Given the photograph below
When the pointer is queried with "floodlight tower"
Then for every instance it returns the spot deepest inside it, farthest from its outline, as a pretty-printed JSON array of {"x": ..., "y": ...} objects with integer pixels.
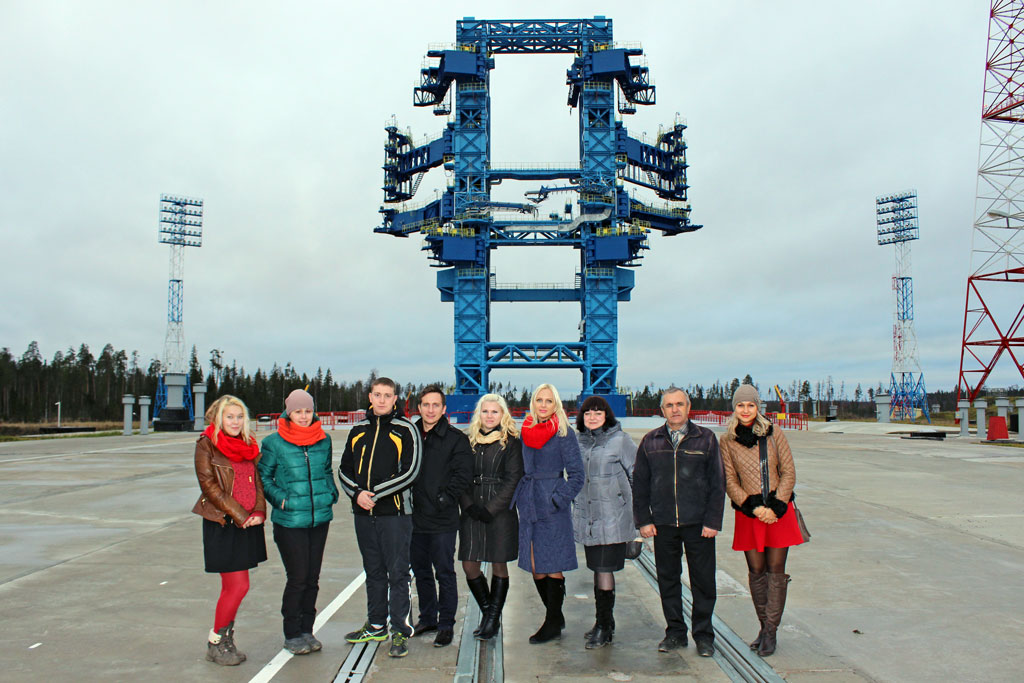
[
  {"x": 181, "y": 225},
  {"x": 897, "y": 224},
  {"x": 993, "y": 312},
  {"x": 607, "y": 225}
]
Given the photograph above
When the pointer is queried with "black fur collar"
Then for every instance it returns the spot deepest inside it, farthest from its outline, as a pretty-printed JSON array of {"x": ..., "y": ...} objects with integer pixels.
[{"x": 745, "y": 435}]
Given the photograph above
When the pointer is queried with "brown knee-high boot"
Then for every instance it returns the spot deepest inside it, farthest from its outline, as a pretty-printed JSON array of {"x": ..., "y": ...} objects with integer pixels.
[
  {"x": 777, "y": 587},
  {"x": 759, "y": 595}
]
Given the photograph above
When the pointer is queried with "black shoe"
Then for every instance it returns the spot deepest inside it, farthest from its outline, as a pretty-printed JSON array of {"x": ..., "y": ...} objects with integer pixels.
[
  {"x": 420, "y": 628},
  {"x": 443, "y": 637},
  {"x": 705, "y": 648},
  {"x": 672, "y": 643}
]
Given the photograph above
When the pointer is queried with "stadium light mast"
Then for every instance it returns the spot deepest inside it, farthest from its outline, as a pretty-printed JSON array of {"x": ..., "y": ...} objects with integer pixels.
[
  {"x": 181, "y": 225},
  {"x": 897, "y": 224}
]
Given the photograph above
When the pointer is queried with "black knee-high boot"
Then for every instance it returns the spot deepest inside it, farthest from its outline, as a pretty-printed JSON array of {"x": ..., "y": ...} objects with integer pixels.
[
  {"x": 603, "y": 631},
  {"x": 478, "y": 588},
  {"x": 492, "y": 618},
  {"x": 553, "y": 619}
]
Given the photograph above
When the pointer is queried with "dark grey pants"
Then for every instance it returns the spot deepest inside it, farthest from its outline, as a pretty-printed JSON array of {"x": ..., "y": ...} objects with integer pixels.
[{"x": 384, "y": 544}]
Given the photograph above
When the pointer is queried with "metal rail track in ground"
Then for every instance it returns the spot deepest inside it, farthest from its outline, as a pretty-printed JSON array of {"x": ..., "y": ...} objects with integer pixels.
[
  {"x": 732, "y": 654},
  {"x": 355, "y": 666}
]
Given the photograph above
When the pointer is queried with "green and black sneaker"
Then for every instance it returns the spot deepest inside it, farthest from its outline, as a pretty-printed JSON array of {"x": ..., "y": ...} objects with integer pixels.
[
  {"x": 398, "y": 646},
  {"x": 367, "y": 633}
]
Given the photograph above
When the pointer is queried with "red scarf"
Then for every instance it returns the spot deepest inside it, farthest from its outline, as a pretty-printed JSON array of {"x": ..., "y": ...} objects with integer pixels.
[
  {"x": 300, "y": 436},
  {"x": 536, "y": 435},
  {"x": 233, "y": 447}
]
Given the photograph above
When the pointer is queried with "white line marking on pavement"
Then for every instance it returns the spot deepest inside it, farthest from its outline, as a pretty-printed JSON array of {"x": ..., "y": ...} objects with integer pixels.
[
  {"x": 103, "y": 450},
  {"x": 32, "y": 647},
  {"x": 282, "y": 657}
]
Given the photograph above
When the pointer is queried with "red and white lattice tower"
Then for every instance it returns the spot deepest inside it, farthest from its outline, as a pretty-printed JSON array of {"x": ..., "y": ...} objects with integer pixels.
[{"x": 994, "y": 310}]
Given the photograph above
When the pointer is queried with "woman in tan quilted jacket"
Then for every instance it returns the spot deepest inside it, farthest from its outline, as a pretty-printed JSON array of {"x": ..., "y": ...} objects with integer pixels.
[{"x": 762, "y": 495}]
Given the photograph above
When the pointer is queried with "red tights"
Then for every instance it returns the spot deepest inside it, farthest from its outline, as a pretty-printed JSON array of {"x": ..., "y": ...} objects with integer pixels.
[{"x": 233, "y": 587}]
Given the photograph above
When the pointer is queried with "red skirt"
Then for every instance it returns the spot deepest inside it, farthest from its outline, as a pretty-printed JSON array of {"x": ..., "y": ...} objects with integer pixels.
[{"x": 751, "y": 533}]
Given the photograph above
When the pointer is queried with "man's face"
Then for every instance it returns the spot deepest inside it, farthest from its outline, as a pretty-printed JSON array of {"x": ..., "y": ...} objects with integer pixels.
[
  {"x": 382, "y": 399},
  {"x": 431, "y": 410},
  {"x": 675, "y": 408}
]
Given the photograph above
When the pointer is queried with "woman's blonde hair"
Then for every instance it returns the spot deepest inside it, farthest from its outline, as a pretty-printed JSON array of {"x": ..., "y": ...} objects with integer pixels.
[
  {"x": 215, "y": 416},
  {"x": 759, "y": 427},
  {"x": 507, "y": 425},
  {"x": 563, "y": 419}
]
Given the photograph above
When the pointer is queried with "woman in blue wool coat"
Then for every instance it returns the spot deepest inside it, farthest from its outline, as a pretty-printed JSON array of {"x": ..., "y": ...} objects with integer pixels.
[
  {"x": 298, "y": 482},
  {"x": 544, "y": 502}
]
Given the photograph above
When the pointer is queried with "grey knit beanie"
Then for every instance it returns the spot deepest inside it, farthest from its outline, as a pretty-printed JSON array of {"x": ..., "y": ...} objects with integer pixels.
[
  {"x": 297, "y": 399},
  {"x": 746, "y": 392}
]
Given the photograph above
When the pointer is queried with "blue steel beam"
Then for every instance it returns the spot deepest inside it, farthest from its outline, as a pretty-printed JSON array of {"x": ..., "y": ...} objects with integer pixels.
[{"x": 609, "y": 229}]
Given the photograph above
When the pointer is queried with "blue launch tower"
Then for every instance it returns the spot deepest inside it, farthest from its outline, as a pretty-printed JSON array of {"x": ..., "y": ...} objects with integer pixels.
[{"x": 607, "y": 225}]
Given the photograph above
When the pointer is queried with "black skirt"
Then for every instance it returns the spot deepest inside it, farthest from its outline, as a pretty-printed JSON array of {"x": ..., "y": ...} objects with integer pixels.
[
  {"x": 605, "y": 558},
  {"x": 231, "y": 549}
]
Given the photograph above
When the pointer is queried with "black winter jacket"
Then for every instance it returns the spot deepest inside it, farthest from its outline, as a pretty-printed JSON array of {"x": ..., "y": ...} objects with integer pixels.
[
  {"x": 677, "y": 486},
  {"x": 445, "y": 472},
  {"x": 382, "y": 456}
]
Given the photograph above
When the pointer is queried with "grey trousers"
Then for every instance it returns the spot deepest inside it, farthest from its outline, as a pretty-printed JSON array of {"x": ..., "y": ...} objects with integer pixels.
[{"x": 384, "y": 544}]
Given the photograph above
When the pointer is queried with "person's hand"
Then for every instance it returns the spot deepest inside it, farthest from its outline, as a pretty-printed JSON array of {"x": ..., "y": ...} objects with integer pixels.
[
  {"x": 760, "y": 511},
  {"x": 648, "y": 531},
  {"x": 365, "y": 500},
  {"x": 253, "y": 520},
  {"x": 708, "y": 533},
  {"x": 769, "y": 516}
]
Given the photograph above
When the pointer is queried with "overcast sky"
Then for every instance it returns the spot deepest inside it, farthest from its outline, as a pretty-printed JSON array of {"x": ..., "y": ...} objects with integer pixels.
[{"x": 799, "y": 114}]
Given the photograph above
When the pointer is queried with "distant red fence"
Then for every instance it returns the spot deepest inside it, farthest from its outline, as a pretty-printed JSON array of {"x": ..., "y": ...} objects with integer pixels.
[
  {"x": 706, "y": 417},
  {"x": 333, "y": 420}
]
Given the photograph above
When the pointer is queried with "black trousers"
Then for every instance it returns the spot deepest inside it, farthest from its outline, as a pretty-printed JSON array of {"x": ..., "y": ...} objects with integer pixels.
[
  {"x": 302, "y": 552},
  {"x": 384, "y": 544},
  {"x": 669, "y": 544},
  {"x": 434, "y": 555}
]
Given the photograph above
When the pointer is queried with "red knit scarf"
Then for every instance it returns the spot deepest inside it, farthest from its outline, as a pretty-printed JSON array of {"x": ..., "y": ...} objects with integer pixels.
[
  {"x": 536, "y": 435},
  {"x": 233, "y": 447},
  {"x": 298, "y": 435}
]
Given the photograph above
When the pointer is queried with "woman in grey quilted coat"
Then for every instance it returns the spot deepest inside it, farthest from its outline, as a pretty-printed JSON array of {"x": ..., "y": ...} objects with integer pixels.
[{"x": 603, "y": 510}]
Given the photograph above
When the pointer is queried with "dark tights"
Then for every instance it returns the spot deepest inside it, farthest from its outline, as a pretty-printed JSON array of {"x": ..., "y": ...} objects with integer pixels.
[{"x": 772, "y": 559}]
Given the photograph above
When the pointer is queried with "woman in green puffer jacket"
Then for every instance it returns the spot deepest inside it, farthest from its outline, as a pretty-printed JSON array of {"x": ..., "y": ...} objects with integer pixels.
[{"x": 298, "y": 483}]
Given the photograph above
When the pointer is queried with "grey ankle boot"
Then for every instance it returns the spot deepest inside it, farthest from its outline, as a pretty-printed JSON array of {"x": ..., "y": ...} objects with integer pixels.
[{"x": 220, "y": 648}]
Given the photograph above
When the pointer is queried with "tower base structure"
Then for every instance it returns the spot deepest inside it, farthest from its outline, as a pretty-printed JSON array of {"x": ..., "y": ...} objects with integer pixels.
[{"x": 173, "y": 404}]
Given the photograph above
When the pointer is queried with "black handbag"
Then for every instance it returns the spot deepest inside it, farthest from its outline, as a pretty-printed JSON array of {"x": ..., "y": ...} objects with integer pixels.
[
  {"x": 634, "y": 548},
  {"x": 762, "y": 443}
]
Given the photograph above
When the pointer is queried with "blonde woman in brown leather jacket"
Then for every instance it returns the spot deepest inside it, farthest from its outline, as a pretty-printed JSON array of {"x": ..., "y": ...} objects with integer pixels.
[
  {"x": 766, "y": 524},
  {"x": 233, "y": 511}
]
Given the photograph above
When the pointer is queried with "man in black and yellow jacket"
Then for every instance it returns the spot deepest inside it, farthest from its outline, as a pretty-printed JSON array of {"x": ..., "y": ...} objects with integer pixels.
[{"x": 378, "y": 468}]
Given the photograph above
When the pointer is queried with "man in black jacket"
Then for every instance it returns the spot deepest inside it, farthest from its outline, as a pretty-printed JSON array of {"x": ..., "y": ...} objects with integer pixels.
[
  {"x": 380, "y": 463},
  {"x": 445, "y": 473},
  {"x": 679, "y": 499}
]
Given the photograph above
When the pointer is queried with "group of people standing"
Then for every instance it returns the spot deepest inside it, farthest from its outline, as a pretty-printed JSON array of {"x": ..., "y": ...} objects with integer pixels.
[{"x": 502, "y": 493}]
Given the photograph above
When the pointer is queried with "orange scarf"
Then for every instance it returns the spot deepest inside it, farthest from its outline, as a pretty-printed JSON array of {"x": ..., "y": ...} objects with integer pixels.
[{"x": 300, "y": 436}]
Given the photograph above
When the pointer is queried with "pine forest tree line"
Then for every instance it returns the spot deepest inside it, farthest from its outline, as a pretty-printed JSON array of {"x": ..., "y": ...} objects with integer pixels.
[{"x": 90, "y": 387}]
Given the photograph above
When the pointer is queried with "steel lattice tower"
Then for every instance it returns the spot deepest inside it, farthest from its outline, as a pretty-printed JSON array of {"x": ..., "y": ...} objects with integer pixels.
[
  {"x": 993, "y": 312},
  {"x": 606, "y": 225},
  {"x": 181, "y": 225},
  {"x": 897, "y": 225}
]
